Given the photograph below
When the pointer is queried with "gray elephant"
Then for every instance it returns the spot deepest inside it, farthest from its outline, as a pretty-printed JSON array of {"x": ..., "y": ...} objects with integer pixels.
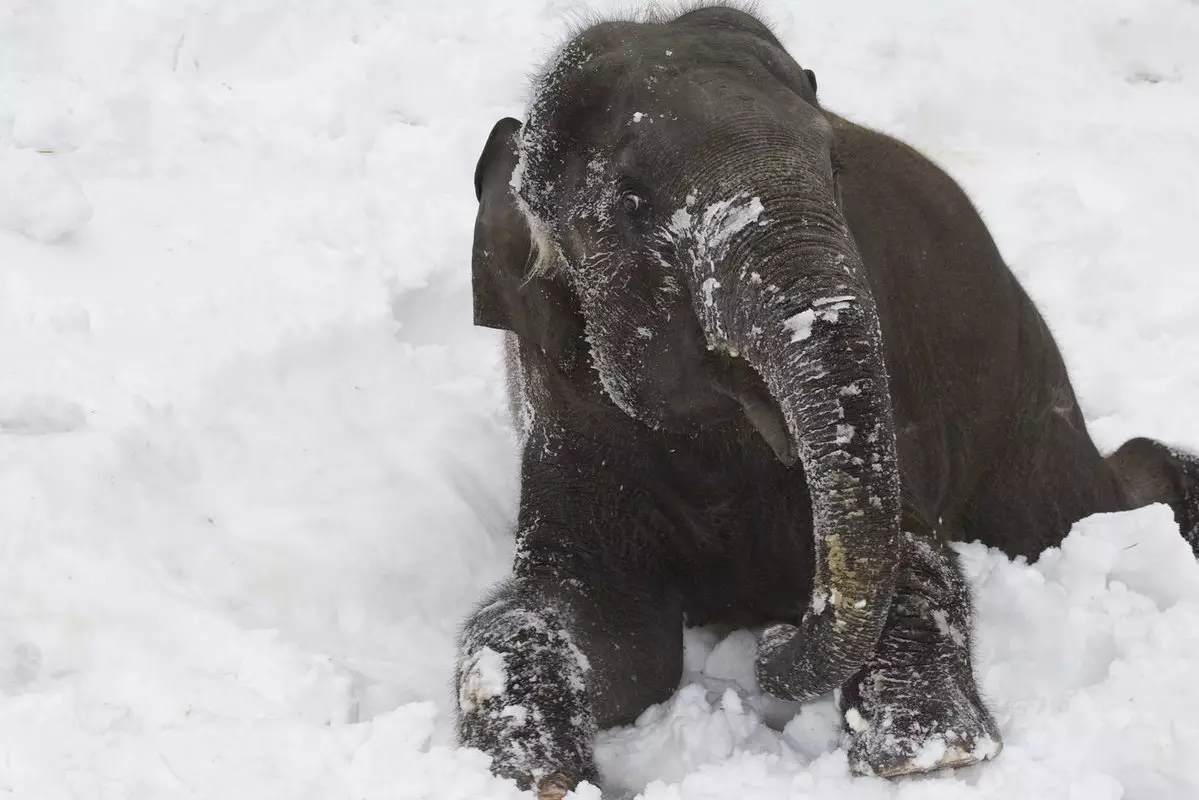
[{"x": 767, "y": 364}]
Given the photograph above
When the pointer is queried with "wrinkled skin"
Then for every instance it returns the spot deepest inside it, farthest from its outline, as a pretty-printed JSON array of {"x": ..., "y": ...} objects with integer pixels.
[{"x": 767, "y": 363}]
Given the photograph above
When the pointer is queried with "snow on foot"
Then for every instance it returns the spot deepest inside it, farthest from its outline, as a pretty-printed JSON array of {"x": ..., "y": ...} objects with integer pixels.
[
  {"x": 912, "y": 739},
  {"x": 936, "y": 753}
]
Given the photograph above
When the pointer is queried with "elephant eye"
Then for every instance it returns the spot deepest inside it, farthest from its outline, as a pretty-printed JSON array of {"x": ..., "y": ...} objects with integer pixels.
[{"x": 632, "y": 202}]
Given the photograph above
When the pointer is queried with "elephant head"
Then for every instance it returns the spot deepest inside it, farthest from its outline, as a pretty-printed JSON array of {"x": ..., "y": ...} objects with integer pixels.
[{"x": 671, "y": 204}]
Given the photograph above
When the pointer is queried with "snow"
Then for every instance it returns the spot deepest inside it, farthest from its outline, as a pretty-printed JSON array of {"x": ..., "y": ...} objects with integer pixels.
[
  {"x": 485, "y": 676},
  {"x": 825, "y": 309},
  {"x": 257, "y": 466},
  {"x": 800, "y": 325},
  {"x": 680, "y": 221},
  {"x": 43, "y": 201},
  {"x": 931, "y": 753},
  {"x": 844, "y": 434},
  {"x": 705, "y": 242},
  {"x": 719, "y": 222}
]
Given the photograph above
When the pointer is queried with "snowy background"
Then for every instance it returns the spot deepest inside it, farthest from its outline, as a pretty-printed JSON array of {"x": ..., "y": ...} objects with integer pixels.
[{"x": 254, "y": 460}]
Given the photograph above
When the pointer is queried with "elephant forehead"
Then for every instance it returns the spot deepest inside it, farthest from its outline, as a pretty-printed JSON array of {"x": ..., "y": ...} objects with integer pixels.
[
  {"x": 680, "y": 119},
  {"x": 612, "y": 69}
]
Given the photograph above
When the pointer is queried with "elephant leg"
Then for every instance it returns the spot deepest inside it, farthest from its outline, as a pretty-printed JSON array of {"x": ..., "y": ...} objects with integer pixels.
[
  {"x": 915, "y": 706},
  {"x": 1152, "y": 472},
  {"x": 544, "y": 663}
]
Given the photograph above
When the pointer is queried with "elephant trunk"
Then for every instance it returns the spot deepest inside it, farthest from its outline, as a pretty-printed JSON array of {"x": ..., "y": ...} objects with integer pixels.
[{"x": 792, "y": 299}]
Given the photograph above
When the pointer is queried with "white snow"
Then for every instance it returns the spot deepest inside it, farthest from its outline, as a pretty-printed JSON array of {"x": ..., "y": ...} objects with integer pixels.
[
  {"x": 931, "y": 753},
  {"x": 855, "y": 721},
  {"x": 839, "y": 302},
  {"x": 38, "y": 197},
  {"x": 800, "y": 325},
  {"x": 824, "y": 309},
  {"x": 485, "y": 676},
  {"x": 680, "y": 221},
  {"x": 256, "y": 466},
  {"x": 717, "y": 223},
  {"x": 827, "y": 308},
  {"x": 519, "y": 714}
]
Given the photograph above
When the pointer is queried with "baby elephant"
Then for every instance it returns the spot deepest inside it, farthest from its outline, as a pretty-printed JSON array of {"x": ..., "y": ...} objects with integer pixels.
[{"x": 767, "y": 364}]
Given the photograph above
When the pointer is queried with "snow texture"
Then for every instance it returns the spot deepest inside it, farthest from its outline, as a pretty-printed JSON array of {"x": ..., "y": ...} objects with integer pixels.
[
  {"x": 257, "y": 466},
  {"x": 825, "y": 309},
  {"x": 39, "y": 198},
  {"x": 485, "y": 677},
  {"x": 702, "y": 240},
  {"x": 800, "y": 325}
]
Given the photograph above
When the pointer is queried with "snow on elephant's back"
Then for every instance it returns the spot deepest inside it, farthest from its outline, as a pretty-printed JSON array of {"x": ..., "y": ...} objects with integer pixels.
[{"x": 39, "y": 199}]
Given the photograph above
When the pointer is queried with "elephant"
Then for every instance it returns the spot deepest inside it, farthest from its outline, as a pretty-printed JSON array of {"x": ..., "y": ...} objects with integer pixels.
[{"x": 766, "y": 365}]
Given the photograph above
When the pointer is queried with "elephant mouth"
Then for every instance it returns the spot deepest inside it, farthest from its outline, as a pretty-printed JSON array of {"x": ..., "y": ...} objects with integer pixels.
[{"x": 736, "y": 379}]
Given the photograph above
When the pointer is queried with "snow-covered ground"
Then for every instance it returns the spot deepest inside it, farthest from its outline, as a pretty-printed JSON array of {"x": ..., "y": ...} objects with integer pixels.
[{"x": 254, "y": 460}]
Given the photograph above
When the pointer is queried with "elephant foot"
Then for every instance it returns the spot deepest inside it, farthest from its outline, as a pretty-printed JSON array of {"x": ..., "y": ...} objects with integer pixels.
[
  {"x": 917, "y": 728},
  {"x": 915, "y": 707}
]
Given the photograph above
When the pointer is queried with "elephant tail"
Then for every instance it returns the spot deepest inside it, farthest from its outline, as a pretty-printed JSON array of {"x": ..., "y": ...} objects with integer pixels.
[{"x": 1152, "y": 472}]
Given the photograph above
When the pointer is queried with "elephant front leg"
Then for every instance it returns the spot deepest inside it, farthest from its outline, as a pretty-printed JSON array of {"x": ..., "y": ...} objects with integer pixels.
[
  {"x": 541, "y": 668},
  {"x": 915, "y": 707}
]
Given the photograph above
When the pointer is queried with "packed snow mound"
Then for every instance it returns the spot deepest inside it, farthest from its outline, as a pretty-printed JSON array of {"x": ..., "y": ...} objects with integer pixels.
[
  {"x": 38, "y": 198},
  {"x": 256, "y": 465}
]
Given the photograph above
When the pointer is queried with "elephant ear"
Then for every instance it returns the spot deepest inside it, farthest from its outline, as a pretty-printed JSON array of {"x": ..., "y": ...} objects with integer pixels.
[{"x": 541, "y": 309}]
